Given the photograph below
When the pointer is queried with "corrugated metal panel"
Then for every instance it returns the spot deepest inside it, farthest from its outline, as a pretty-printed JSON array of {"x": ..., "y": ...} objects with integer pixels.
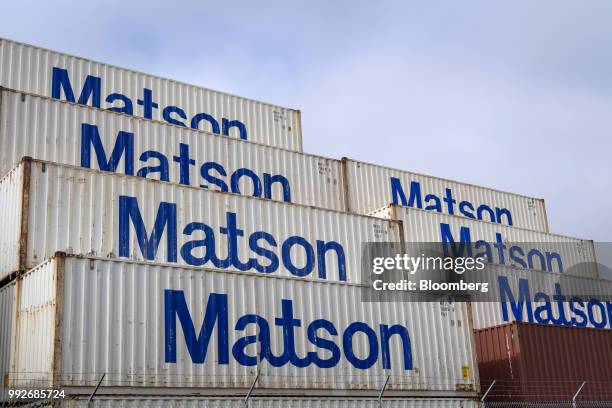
[
  {"x": 46, "y": 129},
  {"x": 257, "y": 402},
  {"x": 13, "y": 203},
  {"x": 30, "y": 69},
  {"x": 370, "y": 188},
  {"x": 78, "y": 211},
  {"x": 544, "y": 362},
  {"x": 36, "y": 319},
  {"x": 420, "y": 226},
  {"x": 115, "y": 317},
  {"x": 7, "y": 320},
  {"x": 591, "y": 306}
]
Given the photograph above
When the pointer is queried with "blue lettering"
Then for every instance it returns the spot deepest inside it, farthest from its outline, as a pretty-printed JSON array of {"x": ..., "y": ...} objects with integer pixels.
[
  {"x": 576, "y": 304},
  {"x": 591, "y": 306},
  {"x": 269, "y": 181},
  {"x": 228, "y": 124},
  {"x": 524, "y": 298},
  {"x": 486, "y": 209},
  {"x": 347, "y": 343},
  {"x": 242, "y": 172},
  {"x": 91, "y": 88},
  {"x": 165, "y": 220},
  {"x": 167, "y": 115},
  {"x": 464, "y": 238},
  {"x": 308, "y": 251},
  {"x": 266, "y": 253},
  {"x": 195, "y": 121},
  {"x": 127, "y": 107},
  {"x": 147, "y": 103},
  {"x": 124, "y": 145},
  {"x": 386, "y": 333},
  {"x": 91, "y": 93},
  {"x": 551, "y": 310},
  {"x": 216, "y": 312},
  {"x": 184, "y": 162},
  {"x": 323, "y": 343},
  {"x": 434, "y": 203},
  {"x": 205, "y": 173},
  {"x": 162, "y": 168}
]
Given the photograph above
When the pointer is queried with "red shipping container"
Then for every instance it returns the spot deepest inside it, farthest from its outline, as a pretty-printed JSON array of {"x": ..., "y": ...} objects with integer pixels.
[{"x": 538, "y": 362}]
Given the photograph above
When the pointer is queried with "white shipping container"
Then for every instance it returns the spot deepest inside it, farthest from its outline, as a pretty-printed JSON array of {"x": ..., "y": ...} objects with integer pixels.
[
  {"x": 496, "y": 243},
  {"x": 14, "y": 198},
  {"x": 7, "y": 319},
  {"x": 44, "y": 72},
  {"x": 370, "y": 187},
  {"x": 160, "y": 326},
  {"x": 259, "y": 402},
  {"x": 82, "y": 211},
  {"x": 544, "y": 298},
  {"x": 74, "y": 134}
]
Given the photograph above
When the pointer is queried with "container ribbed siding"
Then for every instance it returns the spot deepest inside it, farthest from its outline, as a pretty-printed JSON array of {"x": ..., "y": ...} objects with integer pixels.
[
  {"x": 83, "y": 211},
  {"x": 496, "y": 243},
  {"x": 44, "y": 72},
  {"x": 258, "y": 402},
  {"x": 150, "y": 325},
  {"x": 12, "y": 199},
  {"x": 74, "y": 134},
  {"x": 533, "y": 362},
  {"x": 538, "y": 297},
  {"x": 7, "y": 319},
  {"x": 371, "y": 187}
]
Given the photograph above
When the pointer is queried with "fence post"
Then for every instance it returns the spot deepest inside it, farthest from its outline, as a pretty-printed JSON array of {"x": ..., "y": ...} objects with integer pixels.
[
  {"x": 576, "y": 395},
  {"x": 95, "y": 389},
  {"x": 382, "y": 390},
  {"x": 246, "y": 398},
  {"x": 484, "y": 404}
]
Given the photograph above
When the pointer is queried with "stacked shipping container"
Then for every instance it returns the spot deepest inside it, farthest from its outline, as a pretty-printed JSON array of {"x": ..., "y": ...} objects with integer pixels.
[
  {"x": 271, "y": 273},
  {"x": 81, "y": 211},
  {"x": 49, "y": 73},
  {"x": 372, "y": 187},
  {"x": 545, "y": 298},
  {"x": 534, "y": 362},
  {"x": 519, "y": 247},
  {"x": 130, "y": 321},
  {"x": 62, "y": 132}
]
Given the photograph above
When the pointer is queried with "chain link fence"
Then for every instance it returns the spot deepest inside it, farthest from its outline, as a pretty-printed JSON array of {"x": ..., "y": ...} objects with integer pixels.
[
  {"x": 557, "y": 404},
  {"x": 493, "y": 394}
]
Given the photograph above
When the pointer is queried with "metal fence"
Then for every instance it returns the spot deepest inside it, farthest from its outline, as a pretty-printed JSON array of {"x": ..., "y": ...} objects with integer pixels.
[
  {"x": 495, "y": 394},
  {"x": 556, "y": 404},
  {"x": 204, "y": 402},
  {"x": 546, "y": 393}
]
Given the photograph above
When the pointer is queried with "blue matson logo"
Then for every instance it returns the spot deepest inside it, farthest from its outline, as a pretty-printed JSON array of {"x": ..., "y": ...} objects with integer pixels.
[
  {"x": 498, "y": 252},
  {"x": 326, "y": 354},
  {"x": 262, "y": 244},
  {"x": 91, "y": 92},
  {"x": 155, "y": 164},
  {"x": 446, "y": 204},
  {"x": 557, "y": 309}
]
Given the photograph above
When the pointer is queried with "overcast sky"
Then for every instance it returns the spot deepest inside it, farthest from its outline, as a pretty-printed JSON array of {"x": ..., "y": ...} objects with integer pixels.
[{"x": 516, "y": 95}]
